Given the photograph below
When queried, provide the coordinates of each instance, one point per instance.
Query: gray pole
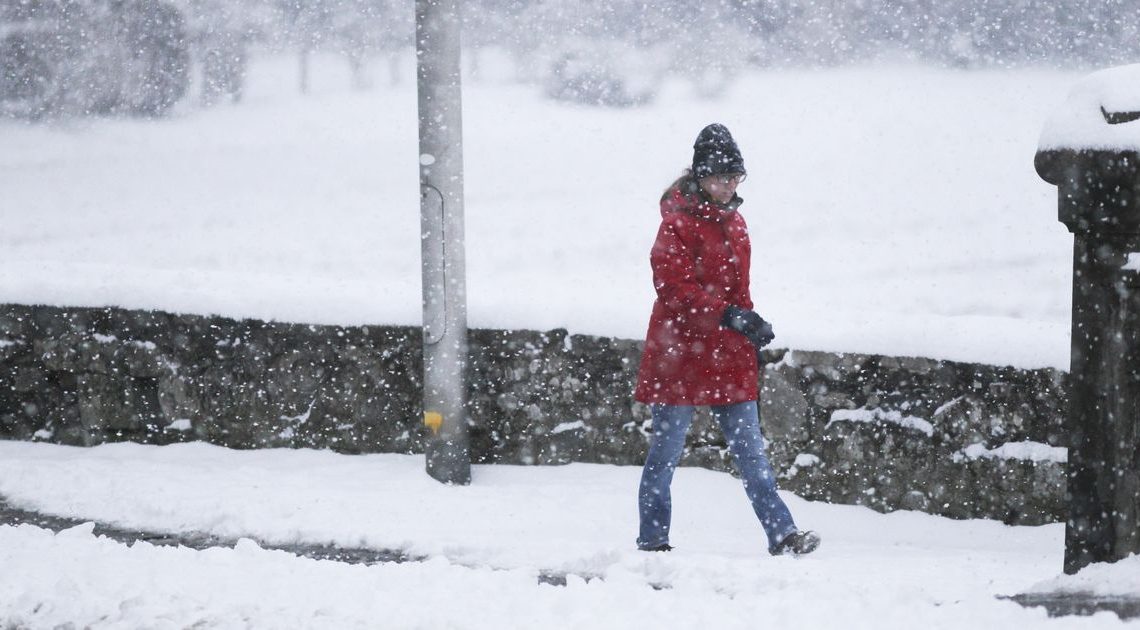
(441, 209)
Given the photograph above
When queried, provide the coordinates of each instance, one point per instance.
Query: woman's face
(721, 188)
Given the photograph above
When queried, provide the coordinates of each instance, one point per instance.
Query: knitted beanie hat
(716, 153)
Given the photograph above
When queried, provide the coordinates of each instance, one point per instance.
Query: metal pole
(441, 208)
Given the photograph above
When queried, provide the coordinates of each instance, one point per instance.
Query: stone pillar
(1097, 196)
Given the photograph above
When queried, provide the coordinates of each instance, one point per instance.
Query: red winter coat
(700, 265)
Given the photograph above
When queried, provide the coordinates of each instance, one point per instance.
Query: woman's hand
(749, 324)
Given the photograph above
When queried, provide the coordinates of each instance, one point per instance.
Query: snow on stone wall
(885, 432)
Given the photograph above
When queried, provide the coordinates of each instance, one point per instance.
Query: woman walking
(703, 343)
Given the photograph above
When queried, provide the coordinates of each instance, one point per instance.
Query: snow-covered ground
(894, 209)
(488, 543)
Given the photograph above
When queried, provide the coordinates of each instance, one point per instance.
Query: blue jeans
(740, 423)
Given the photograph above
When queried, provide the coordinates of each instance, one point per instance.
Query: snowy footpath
(484, 548)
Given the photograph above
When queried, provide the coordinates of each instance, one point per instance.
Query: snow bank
(75, 579)
(1104, 579)
(487, 542)
(1101, 112)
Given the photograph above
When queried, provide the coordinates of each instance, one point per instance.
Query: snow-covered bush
(67, 57)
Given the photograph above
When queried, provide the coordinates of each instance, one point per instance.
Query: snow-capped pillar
(441, 208)
(1090, 150)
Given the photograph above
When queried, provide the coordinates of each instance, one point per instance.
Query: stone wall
(862, 429)
(920, 434)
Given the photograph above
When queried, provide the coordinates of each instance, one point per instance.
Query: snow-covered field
(894, 209)
(488, 543)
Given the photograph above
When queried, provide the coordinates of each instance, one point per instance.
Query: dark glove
(749, 324)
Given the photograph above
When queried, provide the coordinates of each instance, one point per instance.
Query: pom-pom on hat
(716, 153)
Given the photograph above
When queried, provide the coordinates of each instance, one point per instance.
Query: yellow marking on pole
(433, 420)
